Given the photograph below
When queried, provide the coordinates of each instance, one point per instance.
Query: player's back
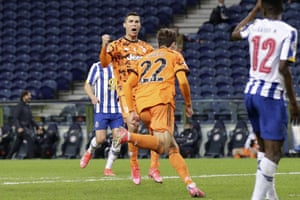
(267, 42)
(156, 76)
(270, 41)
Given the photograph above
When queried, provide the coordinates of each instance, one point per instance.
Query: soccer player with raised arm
(100, 86)
(272, 46)
(154, 78)
(123, 53)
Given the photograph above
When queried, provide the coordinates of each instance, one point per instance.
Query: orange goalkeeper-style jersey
(124, 55)
(156, 78)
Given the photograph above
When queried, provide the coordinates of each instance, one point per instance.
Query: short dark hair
(272, 6)
(23, 94)
(131, 14)
(166, 37)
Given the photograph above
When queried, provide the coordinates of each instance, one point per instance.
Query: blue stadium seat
(15, 94)
(18, 84)
(236, 53)
(208, 91)
(239, 72)
(208, 54)
(221, 36)
(35, 75)
(8, 14)
(52, 4)
(293, 6)
(9, 23)
(223, 62)
(66, 13)
(5, 94)
(238, 62)
(208, 80)
(151, 24)
(206, 45)
(49, 89)
(222, 80)
(193, 63)
(222, 53)
(12, 6)
(64, 80)
(205, 72)
(52, 13)
(206, 27)
(191, 54)
(223, 27)
(225, 91)
(20, 75)
(37, 13)
(223, 70)
(165, 15)
(5, 84)
(24, 23)
(34, 87)
(191, 45)
(23, 31)
(208, 63)
(66, 4)
(206, 36)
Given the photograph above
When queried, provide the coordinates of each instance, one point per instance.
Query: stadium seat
(222, 53)
(239, 71)
(72, 141)
(223, 62)
(151, 24)
(64, 80)
(165, 15)
(5, 84)
(208, 54)
(238, 136)
(205, 72)
(223, 70)
(217, 136)
(191, 54)
(5, 94)
(206, 27)
(49, 89)
(15, 93)
(223, 79)
(193, 63)
(208, 91)
(225, 91)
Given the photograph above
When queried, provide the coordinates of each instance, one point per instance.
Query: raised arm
(104, 57)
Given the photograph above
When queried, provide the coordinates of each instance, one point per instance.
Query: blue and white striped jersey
(104, 83)
(269, 42)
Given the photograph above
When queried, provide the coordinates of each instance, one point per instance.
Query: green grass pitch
(61, 179)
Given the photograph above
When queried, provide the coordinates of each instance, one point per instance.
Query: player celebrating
(154, 79)
(123, 54)
(272, 45)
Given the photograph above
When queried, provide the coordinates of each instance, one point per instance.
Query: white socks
(271, 194)
(112, 156)
(93, 145)
(264, 178)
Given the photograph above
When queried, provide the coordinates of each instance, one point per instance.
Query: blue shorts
(103, 120)
(269, 117)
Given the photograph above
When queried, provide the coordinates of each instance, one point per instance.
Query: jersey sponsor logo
(133, 57)
(112, 83)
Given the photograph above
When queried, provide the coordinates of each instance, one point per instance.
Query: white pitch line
(46, 180)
